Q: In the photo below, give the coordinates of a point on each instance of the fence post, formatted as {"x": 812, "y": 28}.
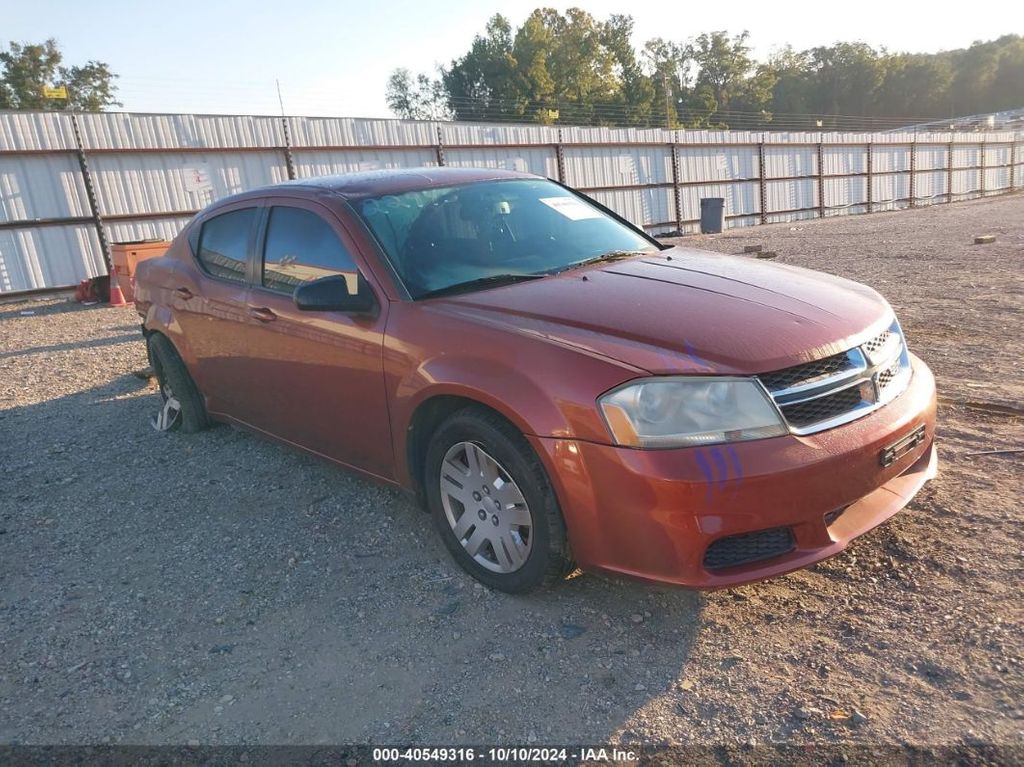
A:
{"x": 949, "y": 170}
{"x": 289, "y": 161}
{"x": 821, "y": 179}
{"x": 90, "y": 193}
{"x": 675, "y": 185}
{"x": 913, "y": 173}
{"x": 560, "y": 158}
{"x": 762, "y": 185}
{"x": 1013, "y": 164}
{"x": 440, "y": 146}
{"x": 981, "y": 170}
{"x": 870, "y": 200}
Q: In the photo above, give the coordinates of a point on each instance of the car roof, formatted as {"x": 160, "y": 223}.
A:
{"x": 381, "y": 182}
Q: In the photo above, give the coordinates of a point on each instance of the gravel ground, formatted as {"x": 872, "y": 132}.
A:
{"x": 217, "y": 588}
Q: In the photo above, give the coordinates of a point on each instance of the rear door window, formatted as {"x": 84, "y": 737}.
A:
{"x": 224, "y": 244}
{"x": 301, "y": 246}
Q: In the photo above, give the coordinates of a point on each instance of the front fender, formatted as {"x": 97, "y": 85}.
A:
{"x": 509, "y": 391}
{"x": 545, "y": 389}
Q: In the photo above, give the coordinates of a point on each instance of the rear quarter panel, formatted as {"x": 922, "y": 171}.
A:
{"x": 155, "y": 281}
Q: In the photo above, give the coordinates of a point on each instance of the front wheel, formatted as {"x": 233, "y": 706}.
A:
{"x": 492, "y": 503}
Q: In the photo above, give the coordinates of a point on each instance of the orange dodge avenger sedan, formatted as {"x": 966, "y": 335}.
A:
{"x": 554, "y": 385}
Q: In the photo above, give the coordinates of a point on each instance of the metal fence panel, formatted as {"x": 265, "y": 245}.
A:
{"x": 846, "y": 195}
{"x": 844, "y": 159}
{"x": 741, "y": 199}
{"x": 465, "y": 133}
{"x": 45, "y": 257}
{"x": 541, "y": 161}
{"x": 931, "y": 157}
{"x": 155, "y": 229}
{"x": 150, "y": 171}
{"x": 784, "y": 196}
{"x": 35, "y": 131}
{"x": 137, "y": 184}
{"x": 887, "y": 158}
{"x": 327, "y": 162}
{"x": 787, "y": 161}
{"x": 997, "y": 180}
{"x": 651, "y": 208}
{"x": 966, "y": 183}
{"x": 349, "y": 131}
{"x": 41, "y": 186}
{"x": 890, "y": 191}
{"x": 717, "y": 163}
{"x": 589, "y": 167}
{"x": 931, "y": 187}
{"x": 132, "y": 132}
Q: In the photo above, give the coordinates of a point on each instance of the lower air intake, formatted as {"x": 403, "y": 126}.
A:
{"x": 748, "y": 547}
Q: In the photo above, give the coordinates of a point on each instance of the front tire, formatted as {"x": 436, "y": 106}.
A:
{"x": 493, "y": 504}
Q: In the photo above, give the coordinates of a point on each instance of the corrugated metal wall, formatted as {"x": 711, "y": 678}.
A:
{"x": 151, "y": 172}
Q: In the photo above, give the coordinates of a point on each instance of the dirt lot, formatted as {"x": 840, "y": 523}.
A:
{"x": 217, "y": 588}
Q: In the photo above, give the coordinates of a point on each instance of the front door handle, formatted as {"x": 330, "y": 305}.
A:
{"x": 183, "y": 293}
{"x": 263, "y": 314}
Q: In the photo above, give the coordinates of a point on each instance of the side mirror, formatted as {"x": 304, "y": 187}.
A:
{"x": 331, "y": 294}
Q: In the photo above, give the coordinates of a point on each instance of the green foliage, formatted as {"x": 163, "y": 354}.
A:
{"x": 572, "y": 68}
{"x": 728, "y": 83}
{"x": 416, "y": 98}
{"x": 26, "y": 69}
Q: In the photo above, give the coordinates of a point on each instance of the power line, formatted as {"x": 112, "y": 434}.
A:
{"x": 610, "y": 113}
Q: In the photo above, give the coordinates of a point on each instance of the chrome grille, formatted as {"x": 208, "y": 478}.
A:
{"x": 807, "y": 373}
{"x": 823, "y": 408}
{"x": 877, "y": 342}
{"x": 818, "y": 395}
{"x": 887, "y": 376}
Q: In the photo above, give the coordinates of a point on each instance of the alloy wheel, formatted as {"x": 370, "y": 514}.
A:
{"x": 169, "y": 413}
{"x": 485, "y": 508}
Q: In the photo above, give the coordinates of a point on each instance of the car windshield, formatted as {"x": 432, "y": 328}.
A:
{"x": 489, "y": 233}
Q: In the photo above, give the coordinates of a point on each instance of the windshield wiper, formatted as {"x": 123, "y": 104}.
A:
{"x": 611, "y": 255}
{"x": 490, "y": 281}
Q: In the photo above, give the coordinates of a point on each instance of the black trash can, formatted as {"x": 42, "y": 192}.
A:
{"x": 712, "y": 214}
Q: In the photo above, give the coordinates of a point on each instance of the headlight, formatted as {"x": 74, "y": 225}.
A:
{"x": 682, "y": 412}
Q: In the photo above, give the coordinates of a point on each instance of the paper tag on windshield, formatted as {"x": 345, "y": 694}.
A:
{"x": 571, "y": 208}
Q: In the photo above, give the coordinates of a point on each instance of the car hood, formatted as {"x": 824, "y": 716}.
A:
{"x": 687, "y": 311}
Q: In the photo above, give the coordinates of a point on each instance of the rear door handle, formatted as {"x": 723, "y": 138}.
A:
{"x": 183, "y": 293}
{"x": 263, "y": 314}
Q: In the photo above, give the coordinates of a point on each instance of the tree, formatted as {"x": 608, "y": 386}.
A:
{"x": 582, "y": 68}
{"x": 481, "y": 85}
{"x": 669, "y": 78}
{"x": 846, "y": 77}
{"x": 729, "y": 87}
{"x": 634, "y": 99}
{"x": 25, "y": 69}
{"x": 573, "y": 68}
{"x": 915, "y": 85}
{"x": 416, "y": 98}
{"x": 792, "y": 89}
{"x": 570, "y": 67}
{"x": 1008, "y": 83}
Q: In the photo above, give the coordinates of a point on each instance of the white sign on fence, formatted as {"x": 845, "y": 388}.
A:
{"x": 197, "y": 179}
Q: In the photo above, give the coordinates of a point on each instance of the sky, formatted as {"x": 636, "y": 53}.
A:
{"x": 333, "y": 57}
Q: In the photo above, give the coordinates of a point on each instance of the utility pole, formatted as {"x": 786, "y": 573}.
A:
{"x": 669, "y": 111}
{"x": 668, "y": 101}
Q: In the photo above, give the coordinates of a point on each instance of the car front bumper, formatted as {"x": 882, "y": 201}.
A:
{"x": 653, "y": 514}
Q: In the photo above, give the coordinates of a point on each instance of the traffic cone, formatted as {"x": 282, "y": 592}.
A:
{"x": 116, "y": 294}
